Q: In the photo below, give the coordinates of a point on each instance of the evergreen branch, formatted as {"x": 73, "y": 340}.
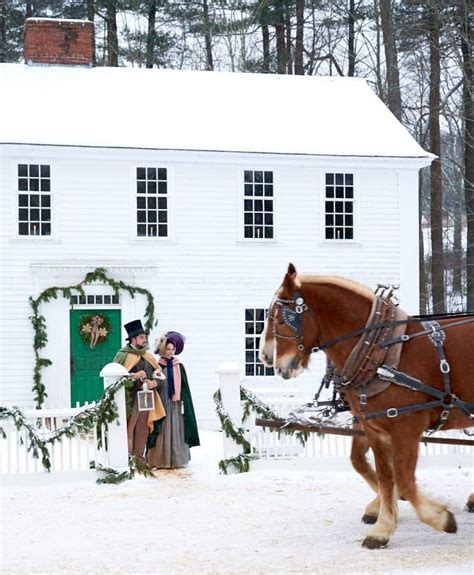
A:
{"x": 38, "y": 321}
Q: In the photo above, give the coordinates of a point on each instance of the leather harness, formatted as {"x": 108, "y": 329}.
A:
{"x": 372, "y": 364}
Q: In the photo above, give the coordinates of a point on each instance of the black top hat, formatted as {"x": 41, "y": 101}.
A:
{"x": 134, "y": 328}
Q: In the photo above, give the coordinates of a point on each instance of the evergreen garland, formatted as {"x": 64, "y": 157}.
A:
{"x": 99, "y": 275}
{"x": 136, "y": 465}
{"x": 99, "y": 415}
{"x": 251, "y": 402}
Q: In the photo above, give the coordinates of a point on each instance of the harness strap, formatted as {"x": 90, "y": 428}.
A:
{"x": 444, "y": 400}
{"x": 424, "y": 332}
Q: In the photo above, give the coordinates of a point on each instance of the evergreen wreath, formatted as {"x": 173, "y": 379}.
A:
{"x": 38, "y": 321}
{"x": 94, "y": 329}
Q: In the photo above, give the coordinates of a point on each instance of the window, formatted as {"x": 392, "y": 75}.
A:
{"x": 34, "y": 200}
{"x": 152, "y": 202}
{"x": 94, "y": 299}
{"x": 339, "y": 207}
{"x": 258, "y": 204}
{"x": 254, "y": 323}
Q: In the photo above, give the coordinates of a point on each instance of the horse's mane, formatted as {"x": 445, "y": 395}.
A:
{"x": 347, "y": 283}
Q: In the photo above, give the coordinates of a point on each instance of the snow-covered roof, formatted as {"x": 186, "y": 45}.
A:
{"x": 191, "y": 110}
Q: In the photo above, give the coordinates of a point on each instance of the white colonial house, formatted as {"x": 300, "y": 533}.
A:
{"x": 199, "y": 187}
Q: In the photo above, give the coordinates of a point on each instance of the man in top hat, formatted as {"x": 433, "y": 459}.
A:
{"x": 142, "y": 366}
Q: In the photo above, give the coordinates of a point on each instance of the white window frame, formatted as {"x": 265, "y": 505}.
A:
{"x": 16, "y": 162}
{"x": 134, "y": 195}
{"x": 242, "y": 343}
{"x": 338, "y": 170}
{"x": 242, "y": 197}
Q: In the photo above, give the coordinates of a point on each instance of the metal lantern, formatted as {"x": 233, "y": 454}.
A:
{"x": 146, "y": 399}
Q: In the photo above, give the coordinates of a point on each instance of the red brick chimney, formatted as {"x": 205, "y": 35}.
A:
{"x": 52, "y": 41}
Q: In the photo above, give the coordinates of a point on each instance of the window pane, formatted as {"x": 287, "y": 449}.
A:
{"x": 45, "y": 185}
{"x": 23, "y": 185}
{"x": 141, "y": 187}
{"x": 23, "y": 170}
{"x": 330, "y": 179}
{"x": 34, "y": 171}
{"x": 151, "y": 187}
{"x": 46, "y": 229}
{"x": 34, "y": 184}
{"x": 269, "y": 177}
{"x": 151, "y": 173}
{"x": 162, "y": 187}
{"x": 23, "y": 200}
{"x": 248, "y": 176}
{"x": 258, "y": 177}
{"x": 162, "y": 174}
{"x": 45, "y": 172}
{"x": 141, "y": 174}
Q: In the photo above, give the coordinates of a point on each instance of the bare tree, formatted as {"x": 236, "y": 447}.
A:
{"x": 151, "y": 34}
{"x": 112, "y": 38}
{"x": 394, "y": 99}
{"x": 207, "y": 37}
{"x": 467, "y": 41}
{"x": 299, "y": 39}
{"x": 351, "y": 39}
{"x": 3, "y": 30}
{"x": 437, "y": 258}
{"x": 90, "y": 12}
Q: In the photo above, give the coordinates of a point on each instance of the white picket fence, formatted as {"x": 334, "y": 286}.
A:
{"x": 273, "y": 446}
{"x": 66, "y": 454}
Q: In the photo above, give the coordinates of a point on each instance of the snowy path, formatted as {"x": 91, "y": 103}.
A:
{"x": 197, "y": 521}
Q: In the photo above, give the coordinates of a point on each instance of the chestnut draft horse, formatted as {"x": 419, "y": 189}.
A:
{"x": 401, "y": 376}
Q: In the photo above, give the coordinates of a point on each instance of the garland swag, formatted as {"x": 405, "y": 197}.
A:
{"x": 99, "y": 275}
{"x": 241, "y": 462}
{"x": 99, "y": 415}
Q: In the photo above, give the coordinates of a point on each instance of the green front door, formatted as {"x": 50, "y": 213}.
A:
{"x": 86, "y": 362}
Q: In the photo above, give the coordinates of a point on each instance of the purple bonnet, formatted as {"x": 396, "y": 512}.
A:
{"x": 177, "y": 340}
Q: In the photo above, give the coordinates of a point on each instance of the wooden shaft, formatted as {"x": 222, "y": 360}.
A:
{"x": 282, "y": 423}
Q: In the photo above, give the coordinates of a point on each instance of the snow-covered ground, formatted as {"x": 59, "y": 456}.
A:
{"x": 198, "y": 521}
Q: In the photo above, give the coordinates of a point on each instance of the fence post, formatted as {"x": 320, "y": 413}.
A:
{"x": 117, "y": 442}
{"x": 229, "y": 383}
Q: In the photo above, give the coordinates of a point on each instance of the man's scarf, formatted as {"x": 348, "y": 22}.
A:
{"x": 173, "y": 375}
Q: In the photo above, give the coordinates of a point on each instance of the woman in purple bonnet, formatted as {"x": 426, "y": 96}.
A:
{"x": 172, "y": 437}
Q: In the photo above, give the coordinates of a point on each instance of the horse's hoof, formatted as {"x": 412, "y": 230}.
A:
{"x": 469, "y": 507}
{"x": 369, "y": 519}
{"x": 373, "y": 543}
{"x": 450, "y": 525}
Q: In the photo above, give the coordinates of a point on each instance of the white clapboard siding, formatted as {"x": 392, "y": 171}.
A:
{"x": 202, "y": 276}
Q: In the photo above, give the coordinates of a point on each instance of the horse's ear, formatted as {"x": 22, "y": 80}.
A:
{"x": 289, "y": 280}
